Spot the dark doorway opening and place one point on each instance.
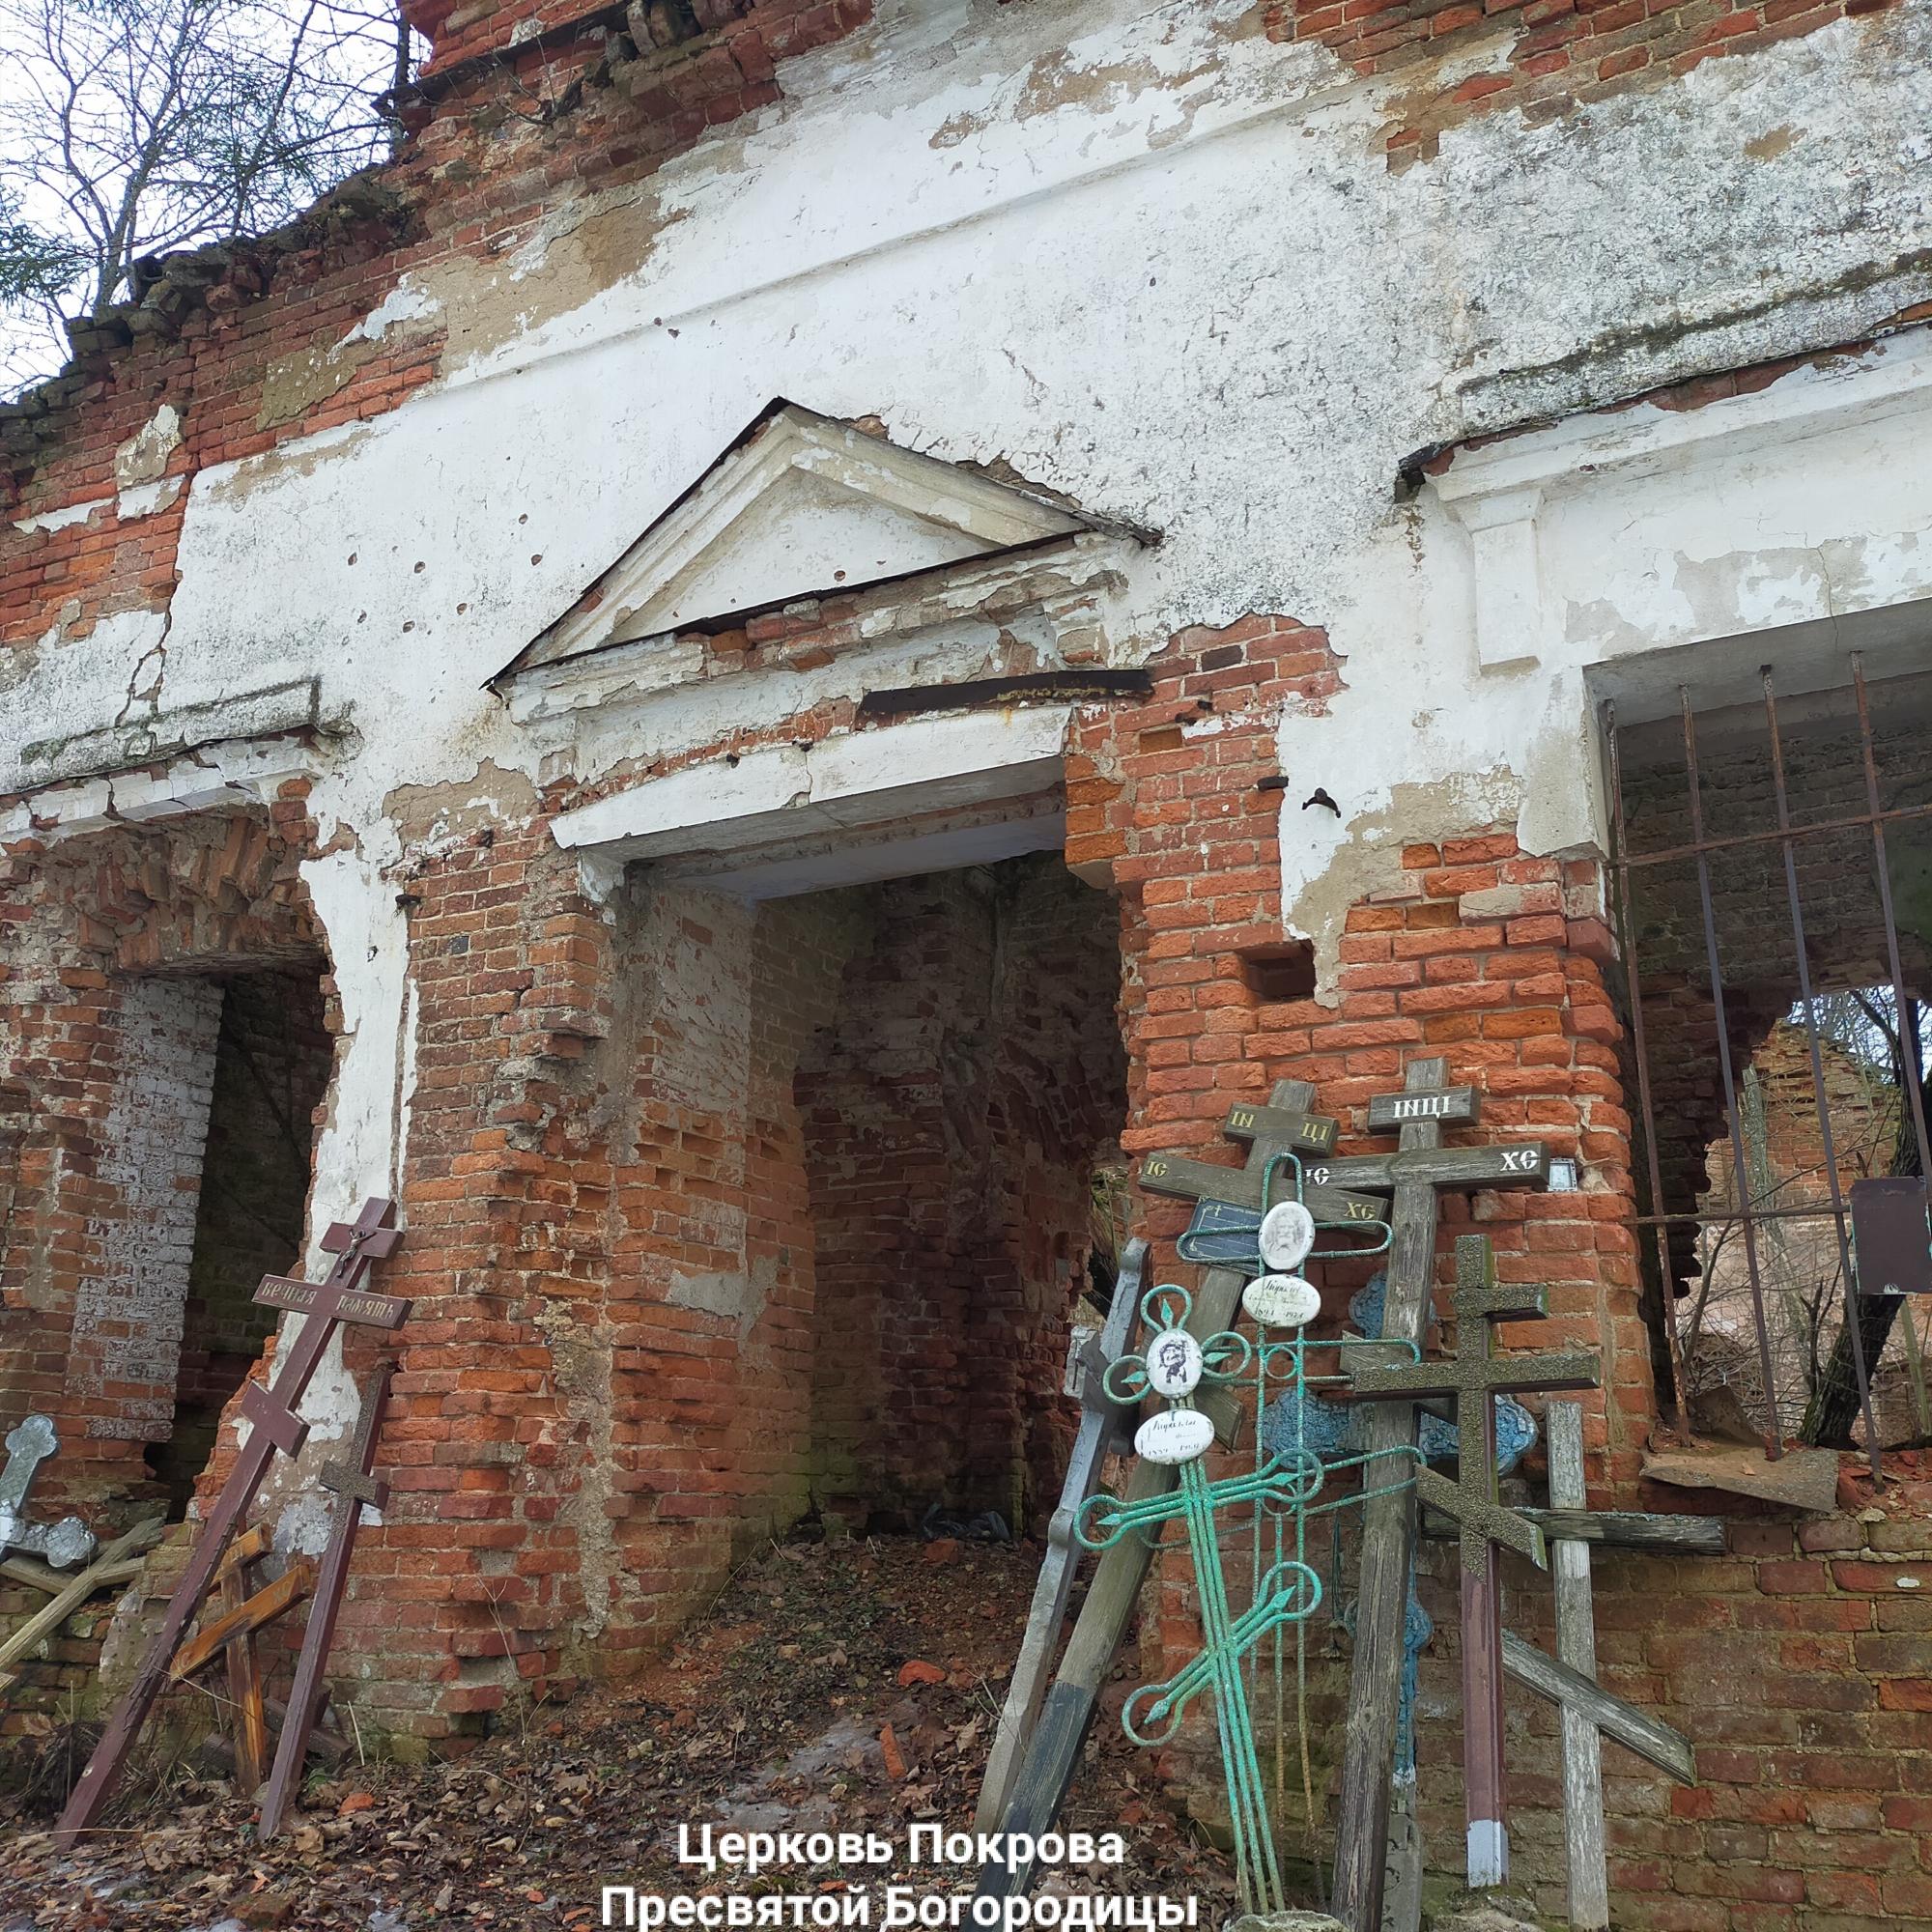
(272, 1055)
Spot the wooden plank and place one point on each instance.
(35, 1575)
(1053, 1751)
(1621, 1529)
(1589, 1881)
(119, 1562)
(271, 1600)
(1188, 1180)
(1650, 1738)
(1303, 1133)
(250, 1547)
(1450, 1106)
(1507, 1164)
(1388, 1544)
(1054, 1588)
(245, 1687)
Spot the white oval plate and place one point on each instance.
(1281, 1302)
(1173, 1437)
(1174, 1364)
(1288, 1232)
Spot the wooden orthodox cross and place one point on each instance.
(231, 1637)
(356, 1487)
(1105, 1429)
(273, 1425)
(1474, 1377)
(1046, 1767)
(1415, 1173)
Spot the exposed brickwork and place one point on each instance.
(118, 1059)
(216, 334)
(1481, 954)
(1559, 52)
(954, 1119)
(273, 1059)
(1794, 1663)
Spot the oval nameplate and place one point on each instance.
(1173, 1437)
(1288, 1232)
(1174, 1364)
(1281, 1302)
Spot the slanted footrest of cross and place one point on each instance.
(1474, 1375)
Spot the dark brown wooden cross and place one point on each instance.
(1474, 1375)
(274, 1426)
(356, 1488)
(1278, 1129)
(1415, 1174)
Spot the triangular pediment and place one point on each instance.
(802, 505)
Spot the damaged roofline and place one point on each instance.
(1432, 458)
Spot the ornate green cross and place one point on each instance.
(1173, 1365)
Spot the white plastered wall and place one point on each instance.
(1157, 264)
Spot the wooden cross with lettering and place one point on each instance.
(273, 1425)
(1474, 1377)
(1415, 1173)
(1039, 1786)
(356, 1487)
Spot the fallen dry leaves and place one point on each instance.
(808, 1700)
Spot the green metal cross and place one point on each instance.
(1173, 1366)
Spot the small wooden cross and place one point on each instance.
(1474, 1377)
(357, 1489)
(275, 1425)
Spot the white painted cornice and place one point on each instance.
(1502, 492)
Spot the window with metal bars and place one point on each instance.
(1771, 868)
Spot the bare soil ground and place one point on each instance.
(793, 1705)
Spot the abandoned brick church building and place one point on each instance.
(808, 629)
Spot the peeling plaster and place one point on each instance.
(144, 457)
(1153, 262)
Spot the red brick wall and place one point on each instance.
(954, 1117)
(1480, 952)
(1559, 52)
(93, 1258)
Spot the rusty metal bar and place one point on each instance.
(1874, 819)
(1853, 1322)
(1911, 1077)
(1775, 1436)
(1817, 1212)
(1619, 865)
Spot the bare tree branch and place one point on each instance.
(135, 128)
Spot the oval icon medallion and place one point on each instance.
(1173, 1437)
(1288, 1232)
(1174, 1364)
(1281, 1302)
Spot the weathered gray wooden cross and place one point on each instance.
(1474, 1375)
(1415, 1175)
